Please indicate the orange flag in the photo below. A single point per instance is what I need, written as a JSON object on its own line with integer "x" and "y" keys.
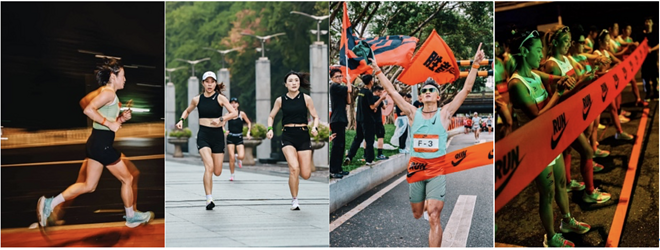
{"x": 434, "y": 59}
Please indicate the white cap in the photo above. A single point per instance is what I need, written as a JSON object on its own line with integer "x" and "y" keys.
{"x": 208, "y": 74}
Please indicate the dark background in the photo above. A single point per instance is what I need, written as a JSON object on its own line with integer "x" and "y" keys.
{"x": 602, "y": 15}
{"x": 44, "y": 75}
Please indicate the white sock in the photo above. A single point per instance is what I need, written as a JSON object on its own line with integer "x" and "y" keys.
{"x": 56, "y": 201}
{"x": 129, "y": 212}
{"x": 209, "y": 198}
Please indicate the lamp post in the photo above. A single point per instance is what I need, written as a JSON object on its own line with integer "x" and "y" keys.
{"x": 318, "y": 19}
{"x": 263, "y": 40}
{"x": 193, "y": 62}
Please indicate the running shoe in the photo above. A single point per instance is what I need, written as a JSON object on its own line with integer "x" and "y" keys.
{"x": 401, "y": 151}
{"x": 294, "y": 205}
{"x": 231, "y": 178}
{"x": 210, "y": 205}
{"x": 345, "y": 173}
{"x": 44, "y": 210}
{"x": 336, "y": 175}
{"x": 623, "y": 119}
{"x": 240, "y": 163}
{"x": 369, "y": 164}
{"x": 139, "y": 218}
{"x": 601, "y": 153}
{"x": 596, "y": 197}
{"x": 601, "y": 126}
{"x": 598, "y": 167}
{"x": 623, "y": 136}
{"x": 626, "y": 113}
{"x": 347, "y": 161}
{"x": 557, "y": 241}
{"x": 642, "y": 103}
{"x": 575, "y": 186}
{"x": 574, "y": 226}
{"x": 382, "y": 157}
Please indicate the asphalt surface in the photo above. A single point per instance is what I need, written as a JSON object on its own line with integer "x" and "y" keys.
{"x": 388, "y": 222}
{"x": 519, "y": 223}
{"x": 23, "y": 185}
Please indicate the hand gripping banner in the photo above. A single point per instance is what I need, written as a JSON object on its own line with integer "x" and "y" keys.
{"x": 522, "y": 155}
{"x": 420, "y": 169}
{"x": 434, "y": 59}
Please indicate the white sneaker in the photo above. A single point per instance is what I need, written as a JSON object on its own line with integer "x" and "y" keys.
{"x": 232, "y": 177}
{"x": 294, "y": 205}
{"x": 240, "y": 163}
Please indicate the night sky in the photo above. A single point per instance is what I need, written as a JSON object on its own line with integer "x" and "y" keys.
{"x": 44, "y": 75}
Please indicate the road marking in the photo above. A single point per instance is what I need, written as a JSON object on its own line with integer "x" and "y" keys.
{"x": 458, "y": 228}
{"x": 132, "y": 158}
{"x": 339, "y": 221}
{"x": 624, "y": 198}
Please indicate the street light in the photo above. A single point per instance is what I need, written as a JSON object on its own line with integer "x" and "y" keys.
{"x": 170, "y": 70}
{"x": 223, "y": 53}
{"x": 192, "y": 63}
{"x": 263, "y": 40}
{"x": 318, "y": 19}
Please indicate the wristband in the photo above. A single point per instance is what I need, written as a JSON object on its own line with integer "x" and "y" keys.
{"x": 378, "y": 72}
{"x": 270, "y": 128}
{"x": 561, "y": 92}
{"x": 475, "y": 66}
{"x": 182, "y": 119}
{"x": 551, "y": 78}
{"x": 103, "y": 122}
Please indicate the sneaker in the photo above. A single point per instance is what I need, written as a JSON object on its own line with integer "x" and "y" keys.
{"x": 601, "y": 126}
{"x": 623, "y": 119}
{"x": 336, "y": 175}
{"x": 623, "y": 136}
{"x": 382, "y": 157}
{"x": 575, "y": 186}
{"x": 344, "y": 173}
{"x": 626, "y": 113}
{"x": 210, "y": 205}
{"x": 347, "y": 161}
{"x": 574, "y": 226}
{"x": 231, "y": 178}
{"x": 601, "y": 153}
{"x": 598, "y": 167}
{"x": 596, "y": 197}
{"x": 369, "y": 164}
{"x": 240, "y": 163}
{"x": 642, "y": 103}
{"x": 44, "y": 210}
{"x": 557, "y": 241}
{"x": 294, "y": 205}
{"x": 139, "y": 218}
{"x": 401, "y": 151}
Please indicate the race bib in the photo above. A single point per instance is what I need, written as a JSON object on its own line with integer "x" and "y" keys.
{"x": 426, "y": 143}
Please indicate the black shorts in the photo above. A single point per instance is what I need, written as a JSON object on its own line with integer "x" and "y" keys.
{"x": 213, "y": 138}
{"x": 298, "y": 137}
{"x": 380, "y": 130}
{"x": 236, "y": 139}
{"x": 99, "y": 147}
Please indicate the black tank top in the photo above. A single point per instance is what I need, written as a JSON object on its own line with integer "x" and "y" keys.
{"x": 294, "y": 111}
{"x": 209, "y": 107}
{"x": 236, "y": 125}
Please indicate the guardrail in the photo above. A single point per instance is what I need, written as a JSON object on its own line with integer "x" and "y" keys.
{"x": 19, "y": 138}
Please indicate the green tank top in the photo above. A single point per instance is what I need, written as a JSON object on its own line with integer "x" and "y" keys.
{"x": 429, "y": 136}
{"x": 582, "y": 60}
{"x": 110, "y": 112}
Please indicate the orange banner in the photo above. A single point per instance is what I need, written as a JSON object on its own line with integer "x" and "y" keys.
{"x": 420, "y": 169}
{"x": 541, "y": 140}
{"x": 434, "y": 59}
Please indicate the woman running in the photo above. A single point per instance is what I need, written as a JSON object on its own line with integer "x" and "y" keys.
{"x": 602, "y": 48}
{"x": 527, "y": 92}
{"x": 296, "y": 144}
{"x": 104, "y": 111}
{"x": 429, "y": 121}
{"x": 235, "y": 137}
{"x": 559, "y": 65}
{"x": 210, "y": 138}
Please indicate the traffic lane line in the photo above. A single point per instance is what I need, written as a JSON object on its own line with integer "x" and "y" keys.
{"x": 457, "y": 229}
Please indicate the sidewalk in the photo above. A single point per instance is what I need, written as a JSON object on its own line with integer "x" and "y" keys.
{"x": 251, "y": 211}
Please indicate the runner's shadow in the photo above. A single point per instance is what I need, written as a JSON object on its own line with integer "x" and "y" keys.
{"x": 581, "y": 240}
{"x": 105, "y": 239}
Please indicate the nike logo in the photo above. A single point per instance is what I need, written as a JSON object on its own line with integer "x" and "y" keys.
{"x": 559, "y": 125}
{"x": 460, "y": 156}
{"x": 603, "y": 88}
{"x": 586, "y": 106}
{"x": 490, "y": 155}
{"x": 506, "y": 167}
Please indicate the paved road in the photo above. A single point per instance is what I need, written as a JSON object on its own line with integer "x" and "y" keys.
{"x": 253, "y": 210}
{"x": 388, "y": 222}
{"x": 22, "y": 185}
{"x": 519, "y": 223}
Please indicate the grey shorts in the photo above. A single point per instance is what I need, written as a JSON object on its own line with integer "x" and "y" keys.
{"x": 433, "y": 188}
